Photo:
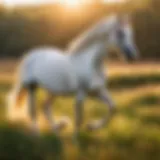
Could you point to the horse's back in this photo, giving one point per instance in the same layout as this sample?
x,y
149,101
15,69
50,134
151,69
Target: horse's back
x,y
50,68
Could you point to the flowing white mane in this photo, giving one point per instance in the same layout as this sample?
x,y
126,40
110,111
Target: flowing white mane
x,y
87,37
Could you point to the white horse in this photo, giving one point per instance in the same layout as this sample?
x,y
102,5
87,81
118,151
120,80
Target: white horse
x,y
78,70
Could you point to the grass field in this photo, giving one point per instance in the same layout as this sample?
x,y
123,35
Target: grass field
x,y
134,132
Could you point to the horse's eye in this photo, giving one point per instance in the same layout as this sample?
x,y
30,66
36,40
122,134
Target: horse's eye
x,y
120,34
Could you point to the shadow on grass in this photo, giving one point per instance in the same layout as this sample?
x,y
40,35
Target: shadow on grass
x,y
146,100
17,143
131,81
150,119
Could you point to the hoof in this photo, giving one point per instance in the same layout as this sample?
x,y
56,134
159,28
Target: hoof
x,y
35,131
62,124
94,126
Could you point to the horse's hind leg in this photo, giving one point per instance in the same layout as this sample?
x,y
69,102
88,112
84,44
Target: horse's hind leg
x,y
32,107
105,97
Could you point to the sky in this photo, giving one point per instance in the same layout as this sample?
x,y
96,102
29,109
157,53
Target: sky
x,y
34,2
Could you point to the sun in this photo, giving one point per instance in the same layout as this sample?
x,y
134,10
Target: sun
x,y
113,1
71,3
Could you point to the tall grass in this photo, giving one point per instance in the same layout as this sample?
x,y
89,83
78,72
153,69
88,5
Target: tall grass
x,y
132,134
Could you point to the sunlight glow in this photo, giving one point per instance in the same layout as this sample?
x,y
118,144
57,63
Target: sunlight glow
x,y
70,3
113,1
15,113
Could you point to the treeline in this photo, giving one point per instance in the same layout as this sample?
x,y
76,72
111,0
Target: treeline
x,y
147,28
22,28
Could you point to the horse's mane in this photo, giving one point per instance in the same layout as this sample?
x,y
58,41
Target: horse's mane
x,y
84,39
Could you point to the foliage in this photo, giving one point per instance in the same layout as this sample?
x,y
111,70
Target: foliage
x,y
23,28
147,28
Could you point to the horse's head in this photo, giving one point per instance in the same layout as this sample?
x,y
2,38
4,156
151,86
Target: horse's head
x,y
120,33
124,37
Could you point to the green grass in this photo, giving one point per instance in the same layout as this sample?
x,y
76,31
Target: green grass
x,y
131,81
134,132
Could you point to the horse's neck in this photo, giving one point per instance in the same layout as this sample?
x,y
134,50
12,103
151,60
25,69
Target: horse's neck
x,y
93,55
99,55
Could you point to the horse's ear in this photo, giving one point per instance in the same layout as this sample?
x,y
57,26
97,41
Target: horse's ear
x,y
124,19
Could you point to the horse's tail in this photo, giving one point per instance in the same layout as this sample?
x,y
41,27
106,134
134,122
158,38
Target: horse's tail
x,y
18,93
17,96
16,100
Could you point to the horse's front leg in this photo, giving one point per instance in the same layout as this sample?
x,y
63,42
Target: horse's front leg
x,y
48,113
105,97
79,110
